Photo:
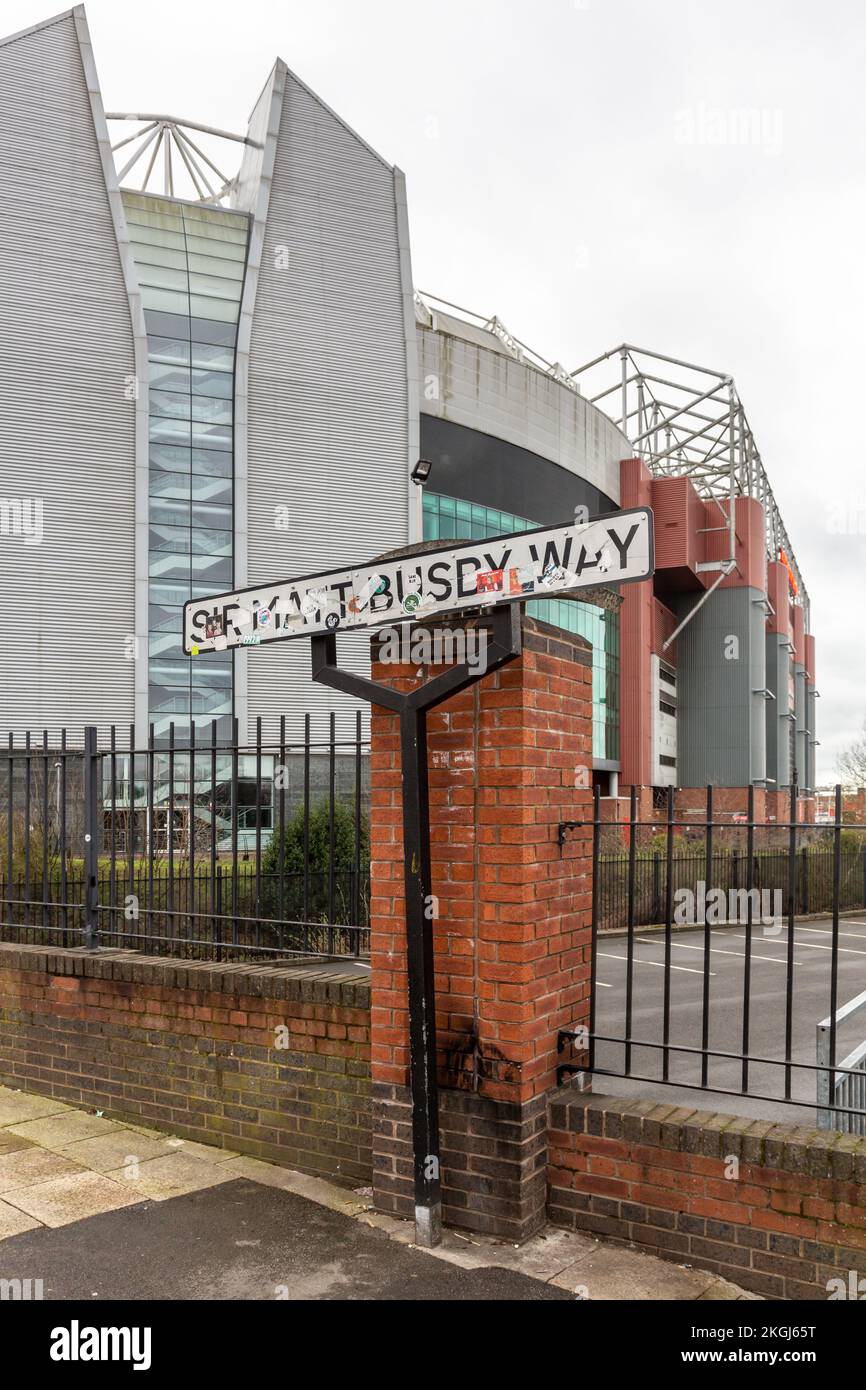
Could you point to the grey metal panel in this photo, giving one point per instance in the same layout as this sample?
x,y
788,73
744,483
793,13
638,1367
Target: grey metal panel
x,y
801,745
777,723
812,721
328,424
721,736
67,408
489,390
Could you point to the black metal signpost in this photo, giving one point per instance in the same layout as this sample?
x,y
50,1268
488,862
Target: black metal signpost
x,y
495,575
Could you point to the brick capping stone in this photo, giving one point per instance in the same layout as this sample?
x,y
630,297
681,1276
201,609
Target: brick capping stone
x,y
191,1047
783,1220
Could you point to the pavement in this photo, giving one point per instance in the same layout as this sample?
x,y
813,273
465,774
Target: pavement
x,y
100,1210
812,955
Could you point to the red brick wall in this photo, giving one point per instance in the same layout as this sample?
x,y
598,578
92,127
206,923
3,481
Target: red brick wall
x,y
777,1209
508,760
194,1048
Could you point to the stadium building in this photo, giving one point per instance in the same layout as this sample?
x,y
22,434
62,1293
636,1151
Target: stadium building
x,y
217,371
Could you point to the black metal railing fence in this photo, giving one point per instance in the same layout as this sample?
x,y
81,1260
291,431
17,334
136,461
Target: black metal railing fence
x,y
208,849
726,997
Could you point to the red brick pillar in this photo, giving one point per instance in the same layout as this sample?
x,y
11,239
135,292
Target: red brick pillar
x,y
508,760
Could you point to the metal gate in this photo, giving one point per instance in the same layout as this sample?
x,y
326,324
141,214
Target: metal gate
x,y
722,994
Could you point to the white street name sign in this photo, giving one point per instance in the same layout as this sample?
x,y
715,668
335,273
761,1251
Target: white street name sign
x,y
550,562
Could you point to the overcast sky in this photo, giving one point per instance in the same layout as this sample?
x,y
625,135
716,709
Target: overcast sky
x,y
578,167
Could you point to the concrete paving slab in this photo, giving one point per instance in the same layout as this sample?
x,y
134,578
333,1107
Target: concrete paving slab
x,y
59,1131
12,1143
209,1152
721,1291
63,1200
268,1174
16,1107
171,1176
107,1152
13,1222
31,1165
615,1272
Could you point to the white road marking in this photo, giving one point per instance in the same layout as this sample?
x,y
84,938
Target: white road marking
x,y
740,955
659,963
810,946
822,931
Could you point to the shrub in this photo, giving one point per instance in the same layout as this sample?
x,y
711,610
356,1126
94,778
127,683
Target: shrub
x,y
318,866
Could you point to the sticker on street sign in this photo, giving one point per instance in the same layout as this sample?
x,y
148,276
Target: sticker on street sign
x,y
550,562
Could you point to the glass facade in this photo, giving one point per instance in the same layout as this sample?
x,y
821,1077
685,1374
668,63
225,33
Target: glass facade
x,y
190,262
449,518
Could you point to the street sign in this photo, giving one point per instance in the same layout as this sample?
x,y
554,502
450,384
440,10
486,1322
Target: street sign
x,y
550,562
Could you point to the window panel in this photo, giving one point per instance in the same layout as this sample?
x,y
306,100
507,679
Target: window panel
x,y
207,542
174,350
211,410
168,593
164,377
208,307
162,277
212,383
220,243
141,237
165,566
171,673
208,489
216,356
214,518
207,676
164,325
169,512
163,430
211,436
214,286
171,458
165,301
214,569
161,618
170,485
204,330
165,646
172,403
151,254
223,267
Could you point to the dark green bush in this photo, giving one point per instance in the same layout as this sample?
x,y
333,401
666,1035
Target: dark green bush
x,y
290,870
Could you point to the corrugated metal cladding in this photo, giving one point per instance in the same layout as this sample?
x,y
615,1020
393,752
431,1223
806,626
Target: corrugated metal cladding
x,y
328,406
66,428
721,724
778,724
490,391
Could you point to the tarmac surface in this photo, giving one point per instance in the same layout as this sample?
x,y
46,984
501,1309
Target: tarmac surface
x,y
810,1004
243,1240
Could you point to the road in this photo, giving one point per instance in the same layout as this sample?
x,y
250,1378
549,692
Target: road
x,y
810,1004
